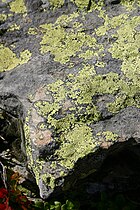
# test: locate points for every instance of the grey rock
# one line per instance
(47, 106)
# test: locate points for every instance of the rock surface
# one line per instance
(70, 77)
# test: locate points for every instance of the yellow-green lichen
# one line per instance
(100, 64)
(44, 107)
(56, 3)
(63, 124)
(129, 4)
(9, 60)
(48, 179)
(71, 125)
(64, 44)
(107, 136)
(65, 20)
(37, 168)
(86, 4)
(14, 27)
(80, 90)
(3, 17)
(81, 4)
(28, 144)
(111, 23)
(25, 56)
(78, 143)
(87, 55)
(32, 31)
(18, 6)
(58, 90)
(126, 48)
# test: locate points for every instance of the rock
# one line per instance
(112, 2)
(11, 126)
(70, 94)
(33, 5)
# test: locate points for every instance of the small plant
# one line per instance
(12, 198)
(56, 205)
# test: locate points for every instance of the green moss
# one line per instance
(18, 6)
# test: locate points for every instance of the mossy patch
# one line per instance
(9, 60)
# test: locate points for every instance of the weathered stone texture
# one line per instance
(75, 66)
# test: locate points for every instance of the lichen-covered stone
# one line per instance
(79, 84)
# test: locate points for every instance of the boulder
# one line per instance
(70, 89)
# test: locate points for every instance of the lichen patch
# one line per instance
(18, 6)
(9, 60)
